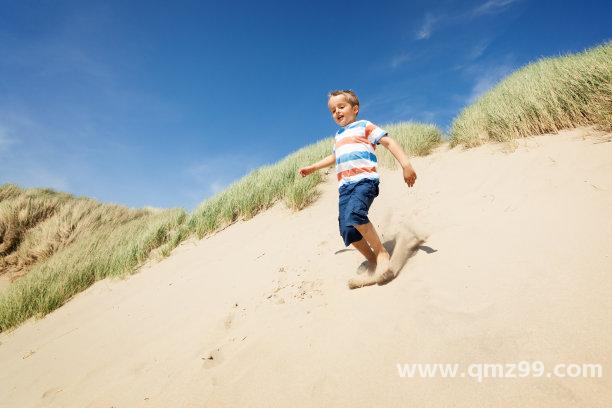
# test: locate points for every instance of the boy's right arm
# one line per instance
(326, 162)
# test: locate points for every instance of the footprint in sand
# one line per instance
(280, 285)
(299, 291)
(213, 358)
(227, 323)
(406, 245)
(51, 392)
(308, 289)
(229, 335)
(237, 313)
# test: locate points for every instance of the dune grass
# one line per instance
(65, 243)
(37, 223)
(417, 139)
(60, 244)
(545, 96)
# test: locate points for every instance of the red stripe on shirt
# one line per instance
(353, 139)
(352, 172)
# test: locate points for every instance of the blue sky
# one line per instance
(160, 104)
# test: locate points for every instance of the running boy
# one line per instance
(355, 161)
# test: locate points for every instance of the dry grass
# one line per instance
(417, 139)
(543, 97)
(65, 243)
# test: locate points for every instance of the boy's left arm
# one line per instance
(397, 151)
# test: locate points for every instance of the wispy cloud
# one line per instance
(396, 105)
(43, 177)
(216, 173)
(492, 7)
(427, 26)
(399, 60)
(486, 78)
(72, 115)
(28, 156)
(471, 54)
(435, 21)
(477, 50)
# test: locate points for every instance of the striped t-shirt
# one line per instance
(354, 150)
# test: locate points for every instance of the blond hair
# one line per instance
(351, 97)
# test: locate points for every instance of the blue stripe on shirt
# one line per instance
(359, 123)
(356, 156)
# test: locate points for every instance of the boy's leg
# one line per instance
(370, 235)
(382, 258)
(363, 247)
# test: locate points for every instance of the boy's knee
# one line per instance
(349, 235)
(363, 227)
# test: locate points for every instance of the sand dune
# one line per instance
(515, 266)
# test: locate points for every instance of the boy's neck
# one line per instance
(349, 124)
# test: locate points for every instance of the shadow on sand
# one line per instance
(401, 248)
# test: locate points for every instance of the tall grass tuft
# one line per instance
(66, 243)
(417, 139)
(545, 96)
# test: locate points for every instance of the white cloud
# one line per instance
(427, 26)
(477, 50)
(491, 7)
(399, 60)
(433, 21)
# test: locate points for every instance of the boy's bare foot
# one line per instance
(407, 245)
(382, 268)
(382, 263)
(361, 281)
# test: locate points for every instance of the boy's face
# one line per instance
(342, 111)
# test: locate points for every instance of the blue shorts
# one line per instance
(354, 203)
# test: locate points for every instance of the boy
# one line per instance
(355, 161)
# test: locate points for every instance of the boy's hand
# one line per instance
(397, 152)
(409, 175)
(304, 171)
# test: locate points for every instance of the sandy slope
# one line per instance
(516, 267)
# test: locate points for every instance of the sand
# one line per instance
(515, 267)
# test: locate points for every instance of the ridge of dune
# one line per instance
(515, 267)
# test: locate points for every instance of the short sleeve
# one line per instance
(374, 133)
